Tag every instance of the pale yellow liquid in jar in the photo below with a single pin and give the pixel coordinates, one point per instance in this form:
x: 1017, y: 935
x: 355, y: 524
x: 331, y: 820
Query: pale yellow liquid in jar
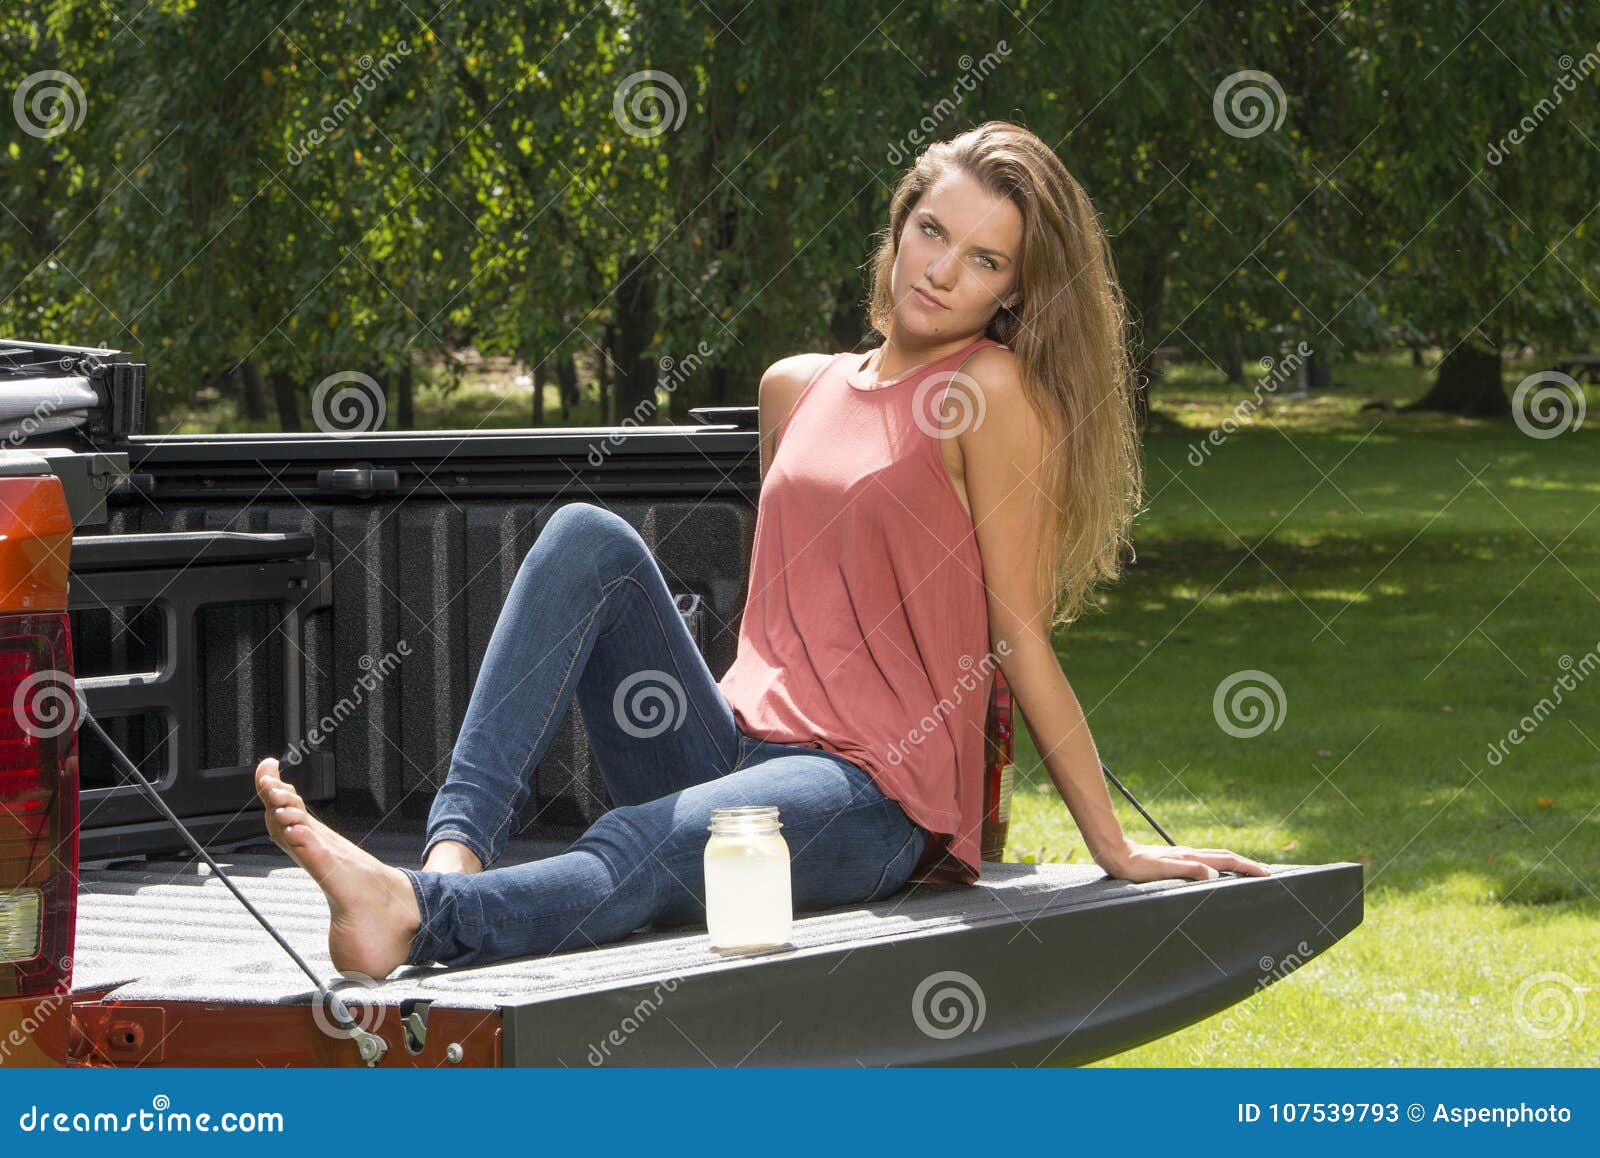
x: 748, y: 901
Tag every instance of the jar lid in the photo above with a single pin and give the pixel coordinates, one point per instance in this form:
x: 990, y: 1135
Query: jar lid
x: 742, y: 816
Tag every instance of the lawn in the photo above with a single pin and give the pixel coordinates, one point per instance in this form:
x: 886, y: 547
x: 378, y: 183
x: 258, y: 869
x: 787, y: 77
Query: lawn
x: 1416, y: 585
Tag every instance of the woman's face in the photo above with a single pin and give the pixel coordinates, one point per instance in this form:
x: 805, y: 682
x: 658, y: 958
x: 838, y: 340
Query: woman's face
x: 960, y: 245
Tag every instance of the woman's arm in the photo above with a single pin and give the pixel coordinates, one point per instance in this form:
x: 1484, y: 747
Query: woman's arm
x: 1003, y: 455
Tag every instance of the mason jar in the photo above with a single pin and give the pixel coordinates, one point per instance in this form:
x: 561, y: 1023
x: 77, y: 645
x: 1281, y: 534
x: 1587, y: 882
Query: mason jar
x: 748, y: 900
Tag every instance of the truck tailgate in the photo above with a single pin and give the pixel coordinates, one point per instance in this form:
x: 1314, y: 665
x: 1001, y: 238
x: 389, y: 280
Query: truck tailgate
x: 1052, y: 964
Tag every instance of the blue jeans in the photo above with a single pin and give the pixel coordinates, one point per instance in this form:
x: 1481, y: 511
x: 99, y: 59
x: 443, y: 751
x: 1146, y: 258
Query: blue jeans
x: 589, y: 615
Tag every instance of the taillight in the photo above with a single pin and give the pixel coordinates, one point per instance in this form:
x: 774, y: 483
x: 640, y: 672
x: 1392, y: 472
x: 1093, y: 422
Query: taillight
x: 38, y: 741
x: 38, y: 805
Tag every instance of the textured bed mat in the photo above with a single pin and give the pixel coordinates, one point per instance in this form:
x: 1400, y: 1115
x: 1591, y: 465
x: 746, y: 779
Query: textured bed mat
x: 171, y: 930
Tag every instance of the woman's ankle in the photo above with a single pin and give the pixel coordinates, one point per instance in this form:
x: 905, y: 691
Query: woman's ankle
x: 451, y: 856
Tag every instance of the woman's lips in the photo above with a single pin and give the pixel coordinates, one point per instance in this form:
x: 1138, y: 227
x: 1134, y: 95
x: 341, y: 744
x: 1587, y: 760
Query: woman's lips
x: 926, y: 300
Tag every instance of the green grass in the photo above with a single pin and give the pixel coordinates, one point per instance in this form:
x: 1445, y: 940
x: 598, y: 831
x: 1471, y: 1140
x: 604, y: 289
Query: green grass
x: 1412, y: 613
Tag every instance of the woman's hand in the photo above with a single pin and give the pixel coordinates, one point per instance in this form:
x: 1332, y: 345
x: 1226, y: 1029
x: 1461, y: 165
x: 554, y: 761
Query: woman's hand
x: 1159, y: 862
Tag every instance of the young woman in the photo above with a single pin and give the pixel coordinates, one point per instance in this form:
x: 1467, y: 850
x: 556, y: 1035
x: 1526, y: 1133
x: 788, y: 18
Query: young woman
x: 928, y: 511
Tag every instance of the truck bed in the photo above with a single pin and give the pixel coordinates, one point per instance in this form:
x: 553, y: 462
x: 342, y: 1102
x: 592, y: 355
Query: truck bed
x: 1052, y: 964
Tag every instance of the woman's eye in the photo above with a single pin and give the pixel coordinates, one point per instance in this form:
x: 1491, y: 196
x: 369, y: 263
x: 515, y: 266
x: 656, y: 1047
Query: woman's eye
x: 929, y: 229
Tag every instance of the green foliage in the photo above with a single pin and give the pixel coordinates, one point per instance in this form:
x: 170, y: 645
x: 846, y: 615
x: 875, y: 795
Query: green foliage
x: 371, y: 184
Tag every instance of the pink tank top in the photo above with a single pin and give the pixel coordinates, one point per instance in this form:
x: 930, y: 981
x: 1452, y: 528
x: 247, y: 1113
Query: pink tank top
x: 866, y: 628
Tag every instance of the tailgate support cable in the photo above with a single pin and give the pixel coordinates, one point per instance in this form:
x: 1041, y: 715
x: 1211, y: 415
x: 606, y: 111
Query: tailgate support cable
x: 1136, y: 804
x: 371, y: 1046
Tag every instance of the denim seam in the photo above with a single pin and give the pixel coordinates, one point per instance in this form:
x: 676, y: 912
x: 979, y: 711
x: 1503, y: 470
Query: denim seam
x: 677, y: 668
x: 424, y: 934
x: 505, y: 805
x: 915, y: 832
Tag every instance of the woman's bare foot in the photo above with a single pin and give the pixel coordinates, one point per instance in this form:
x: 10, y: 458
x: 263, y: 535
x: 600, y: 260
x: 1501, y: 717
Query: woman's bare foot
x: 451, y: 856
x: 374, y: 911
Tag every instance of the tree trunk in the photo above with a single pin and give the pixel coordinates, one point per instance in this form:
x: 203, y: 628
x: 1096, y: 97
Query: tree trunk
x: 406, y: 395
x: 251, y: 392
x: 1319, y: 374
x: 1235, y: 365
x: 567, y: 383
x: 847, y: 322
x: 539, y: 376
x: 635, y: 378
x: 1467, y: 382
x: 287, y: 399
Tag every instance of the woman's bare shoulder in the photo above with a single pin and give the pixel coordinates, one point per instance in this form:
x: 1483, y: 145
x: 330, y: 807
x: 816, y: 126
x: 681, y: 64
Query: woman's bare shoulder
x: 781, y: 386
x: 788, y: 376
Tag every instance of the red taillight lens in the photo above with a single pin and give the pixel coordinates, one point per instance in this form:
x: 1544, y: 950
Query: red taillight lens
x: 38, y: 804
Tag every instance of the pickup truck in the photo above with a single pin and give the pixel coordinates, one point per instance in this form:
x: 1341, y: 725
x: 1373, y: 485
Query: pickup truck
x: 217, y: 598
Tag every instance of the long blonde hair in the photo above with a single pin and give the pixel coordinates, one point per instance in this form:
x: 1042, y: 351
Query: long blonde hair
x: 1069, y: 333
